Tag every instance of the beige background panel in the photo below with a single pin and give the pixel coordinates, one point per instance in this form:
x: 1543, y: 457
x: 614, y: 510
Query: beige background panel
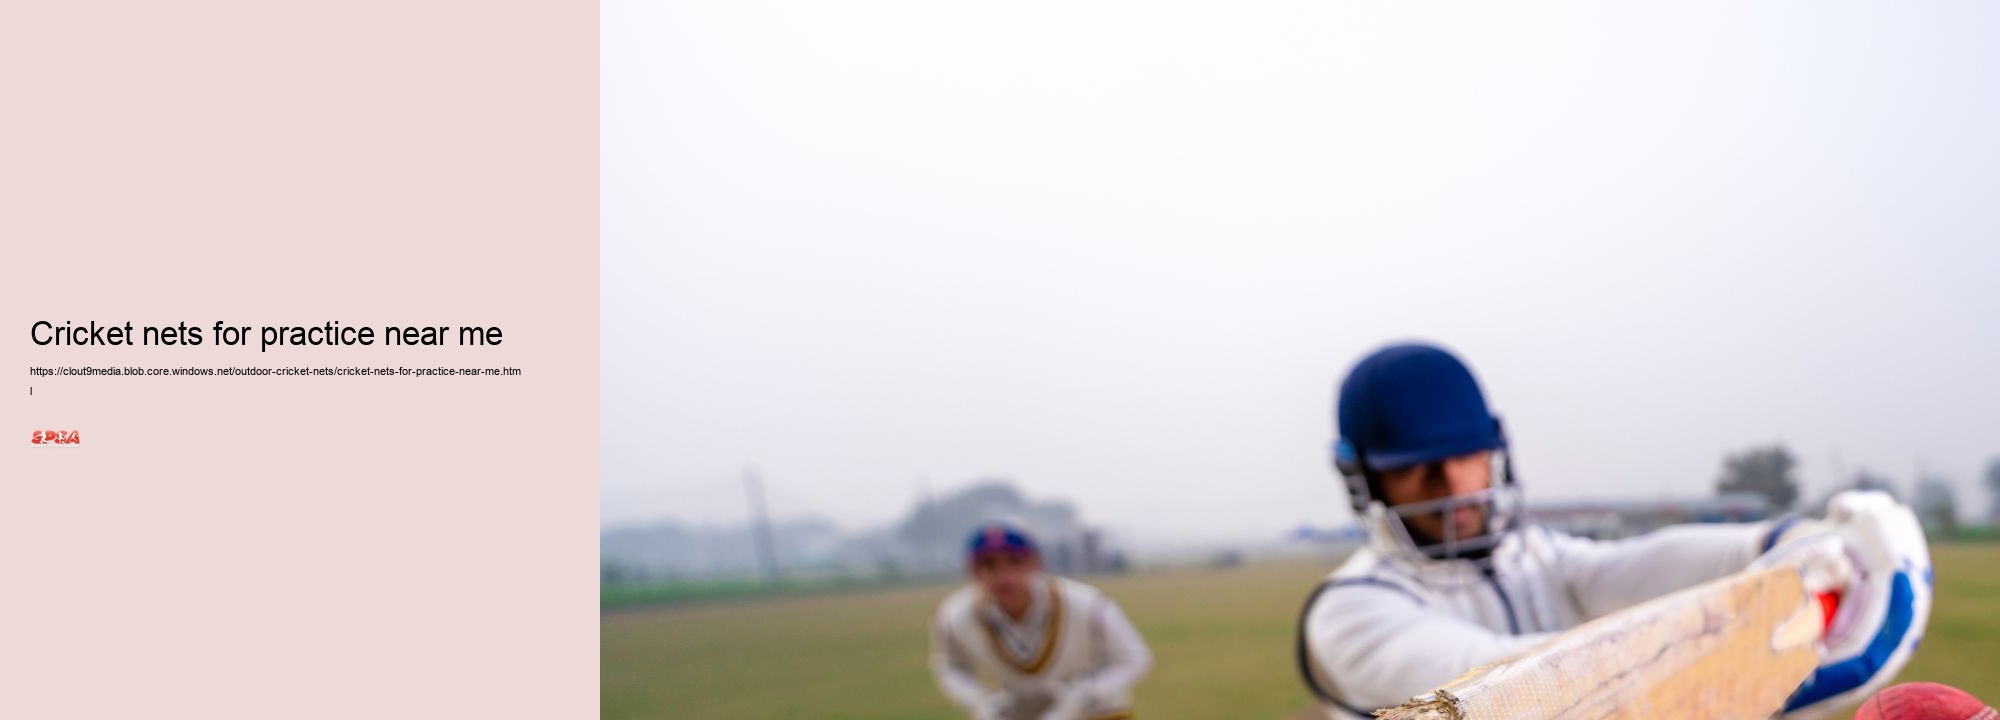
x: 301, y: 547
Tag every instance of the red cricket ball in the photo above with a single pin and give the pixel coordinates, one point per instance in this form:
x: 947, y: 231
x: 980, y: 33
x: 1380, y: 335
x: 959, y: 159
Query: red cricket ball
x: 1924, y: 701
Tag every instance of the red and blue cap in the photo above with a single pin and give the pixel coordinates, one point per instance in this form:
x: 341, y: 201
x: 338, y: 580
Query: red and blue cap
x: 999, y: 537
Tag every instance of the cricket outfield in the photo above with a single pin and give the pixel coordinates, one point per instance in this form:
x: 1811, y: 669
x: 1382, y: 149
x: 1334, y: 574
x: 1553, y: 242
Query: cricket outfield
x: 1221, y: 639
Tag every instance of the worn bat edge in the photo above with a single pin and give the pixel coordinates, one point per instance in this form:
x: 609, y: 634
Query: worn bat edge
x: 1800, y: 628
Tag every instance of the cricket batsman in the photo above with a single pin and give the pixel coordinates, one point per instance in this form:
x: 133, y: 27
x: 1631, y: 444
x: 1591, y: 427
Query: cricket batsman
x: 1020, y: 644
x: 1452, y: 579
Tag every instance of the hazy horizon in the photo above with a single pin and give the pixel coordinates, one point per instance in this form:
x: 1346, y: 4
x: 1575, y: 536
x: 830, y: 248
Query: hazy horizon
x: 1123, y: 255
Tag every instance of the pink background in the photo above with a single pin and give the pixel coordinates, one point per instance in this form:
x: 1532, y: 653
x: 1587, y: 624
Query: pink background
x: 301, y: 547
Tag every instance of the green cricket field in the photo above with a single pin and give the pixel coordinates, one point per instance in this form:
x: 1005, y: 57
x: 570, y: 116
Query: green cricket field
x: 1221, y: 640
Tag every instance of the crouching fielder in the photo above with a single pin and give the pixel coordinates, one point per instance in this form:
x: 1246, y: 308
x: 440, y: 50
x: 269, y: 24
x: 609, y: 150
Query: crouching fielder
x: 1019, y: 644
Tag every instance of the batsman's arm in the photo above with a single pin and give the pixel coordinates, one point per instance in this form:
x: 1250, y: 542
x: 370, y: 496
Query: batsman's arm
x: 1607, y: 576
x: 1381, y: 646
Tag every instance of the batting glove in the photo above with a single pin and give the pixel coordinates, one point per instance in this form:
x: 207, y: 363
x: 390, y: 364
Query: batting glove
x: 1871, y: 569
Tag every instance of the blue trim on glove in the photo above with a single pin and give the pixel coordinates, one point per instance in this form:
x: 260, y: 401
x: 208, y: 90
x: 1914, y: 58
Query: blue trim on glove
x: 1777, y: 529
x: 1840, y: 677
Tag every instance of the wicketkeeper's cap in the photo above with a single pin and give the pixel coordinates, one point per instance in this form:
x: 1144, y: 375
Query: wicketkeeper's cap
x: 999, y: 536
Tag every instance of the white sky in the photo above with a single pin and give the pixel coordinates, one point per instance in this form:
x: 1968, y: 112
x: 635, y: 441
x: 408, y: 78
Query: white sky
x: 1122, y: 252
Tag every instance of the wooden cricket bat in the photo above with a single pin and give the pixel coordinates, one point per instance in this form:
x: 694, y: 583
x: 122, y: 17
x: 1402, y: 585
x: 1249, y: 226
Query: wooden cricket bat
x: 1735, y: 647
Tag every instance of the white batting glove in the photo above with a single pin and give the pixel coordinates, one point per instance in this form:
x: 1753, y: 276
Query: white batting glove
x: 1818, y: 553
x: 1883, y: 595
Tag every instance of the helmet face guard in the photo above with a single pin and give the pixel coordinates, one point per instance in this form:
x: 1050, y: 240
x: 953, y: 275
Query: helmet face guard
x: 1500, y: 506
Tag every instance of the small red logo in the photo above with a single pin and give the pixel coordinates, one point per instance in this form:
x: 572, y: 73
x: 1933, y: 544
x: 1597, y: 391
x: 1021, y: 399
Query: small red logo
x: 56, y: 437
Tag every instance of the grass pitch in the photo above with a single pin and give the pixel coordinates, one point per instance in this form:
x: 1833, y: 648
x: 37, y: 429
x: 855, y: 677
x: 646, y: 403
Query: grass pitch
x: 1221, y: 639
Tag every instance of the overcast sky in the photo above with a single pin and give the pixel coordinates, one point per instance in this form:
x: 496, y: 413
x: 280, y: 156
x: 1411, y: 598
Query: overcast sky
x: 1123, y: 252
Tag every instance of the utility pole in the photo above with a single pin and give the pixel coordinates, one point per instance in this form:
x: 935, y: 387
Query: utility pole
x: 760, y: 524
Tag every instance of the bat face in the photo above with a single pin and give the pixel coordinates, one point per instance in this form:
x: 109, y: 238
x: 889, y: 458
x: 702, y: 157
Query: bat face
x: 1735, y: 647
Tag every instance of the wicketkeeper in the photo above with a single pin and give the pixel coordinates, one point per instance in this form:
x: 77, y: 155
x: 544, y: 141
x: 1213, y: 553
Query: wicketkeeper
x: 1020, y: 644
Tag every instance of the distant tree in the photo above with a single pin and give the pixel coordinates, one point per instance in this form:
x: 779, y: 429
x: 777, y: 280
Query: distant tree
x: 1766, y: 471
x: 1937, y: 506
x: 1993, y: 490
x: 943, y: 522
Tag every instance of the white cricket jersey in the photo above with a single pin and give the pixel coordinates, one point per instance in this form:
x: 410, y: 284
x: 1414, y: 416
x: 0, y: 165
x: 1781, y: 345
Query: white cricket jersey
x: 1387, y: 626
x: 1072, y: 643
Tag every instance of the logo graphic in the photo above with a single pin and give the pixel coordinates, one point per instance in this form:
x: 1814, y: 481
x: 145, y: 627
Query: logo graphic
x: 56, y: 437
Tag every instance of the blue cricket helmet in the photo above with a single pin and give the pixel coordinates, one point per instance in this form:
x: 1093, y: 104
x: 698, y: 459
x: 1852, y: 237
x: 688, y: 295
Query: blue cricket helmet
x: 1406, y: 405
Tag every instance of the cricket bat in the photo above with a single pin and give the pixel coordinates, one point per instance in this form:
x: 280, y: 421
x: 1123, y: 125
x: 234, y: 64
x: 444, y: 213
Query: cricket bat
x: 1735, y: 647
